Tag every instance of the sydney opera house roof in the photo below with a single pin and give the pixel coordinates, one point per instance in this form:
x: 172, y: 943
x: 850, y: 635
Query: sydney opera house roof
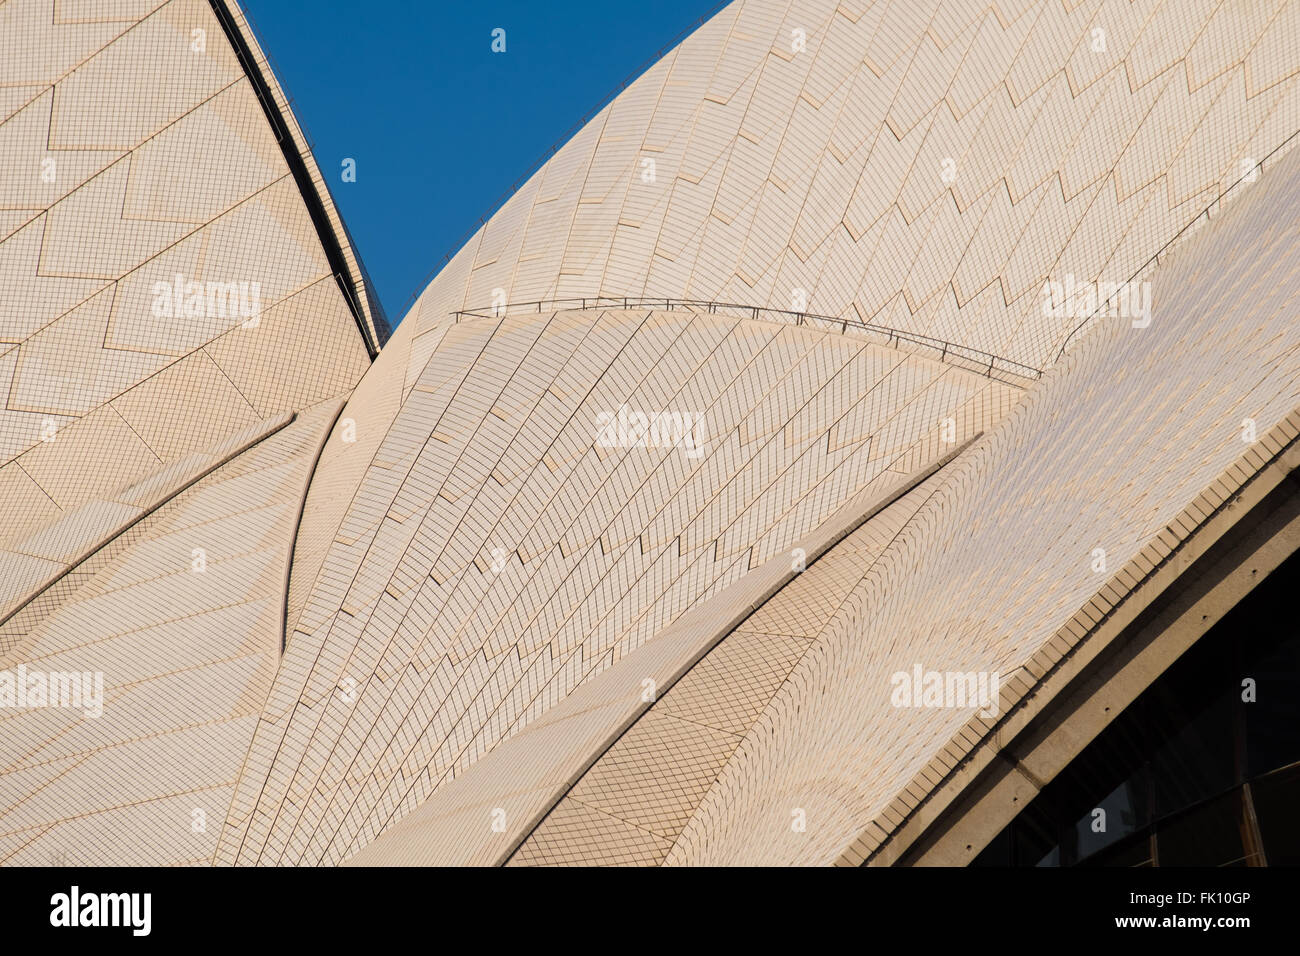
x: 851, y: 340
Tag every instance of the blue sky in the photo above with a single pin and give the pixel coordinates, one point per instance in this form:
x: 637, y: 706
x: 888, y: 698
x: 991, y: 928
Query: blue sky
x: 440, y: 126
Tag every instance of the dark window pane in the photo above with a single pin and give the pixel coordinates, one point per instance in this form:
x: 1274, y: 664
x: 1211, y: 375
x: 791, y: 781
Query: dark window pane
x: 1277, y: 806
x: 1053, y: 858
x: 1133, y: 851
x: 1208, y: 835
x: 1126, y: 812
x: 1273, y: 720
x: 1176, y: 759
x: 1192, y: 709
x: 1035, y: 836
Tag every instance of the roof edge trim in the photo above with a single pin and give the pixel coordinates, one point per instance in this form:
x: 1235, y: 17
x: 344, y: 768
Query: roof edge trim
x: 1221, y: 565
x: 1113, y: 601
x: 312, y: 197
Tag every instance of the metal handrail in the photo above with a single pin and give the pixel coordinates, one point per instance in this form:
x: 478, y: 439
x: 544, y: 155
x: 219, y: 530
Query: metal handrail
x: 1025, y: 371
x: 986, y: 363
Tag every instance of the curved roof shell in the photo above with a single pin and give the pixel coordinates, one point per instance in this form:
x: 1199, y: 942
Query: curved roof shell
x: 173, y: 269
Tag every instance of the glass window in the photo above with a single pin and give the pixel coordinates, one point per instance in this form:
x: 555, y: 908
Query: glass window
x: 1277, y: 798
x: 1206, y: 835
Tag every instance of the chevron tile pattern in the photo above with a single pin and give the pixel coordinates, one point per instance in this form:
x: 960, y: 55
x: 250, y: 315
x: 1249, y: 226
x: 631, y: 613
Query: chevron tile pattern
x: 498, y: 555
x: 1002, y: 556
x: 850, y: 158
x: 118, y: 178
x: 641, y: 793
x: 435, y: 581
